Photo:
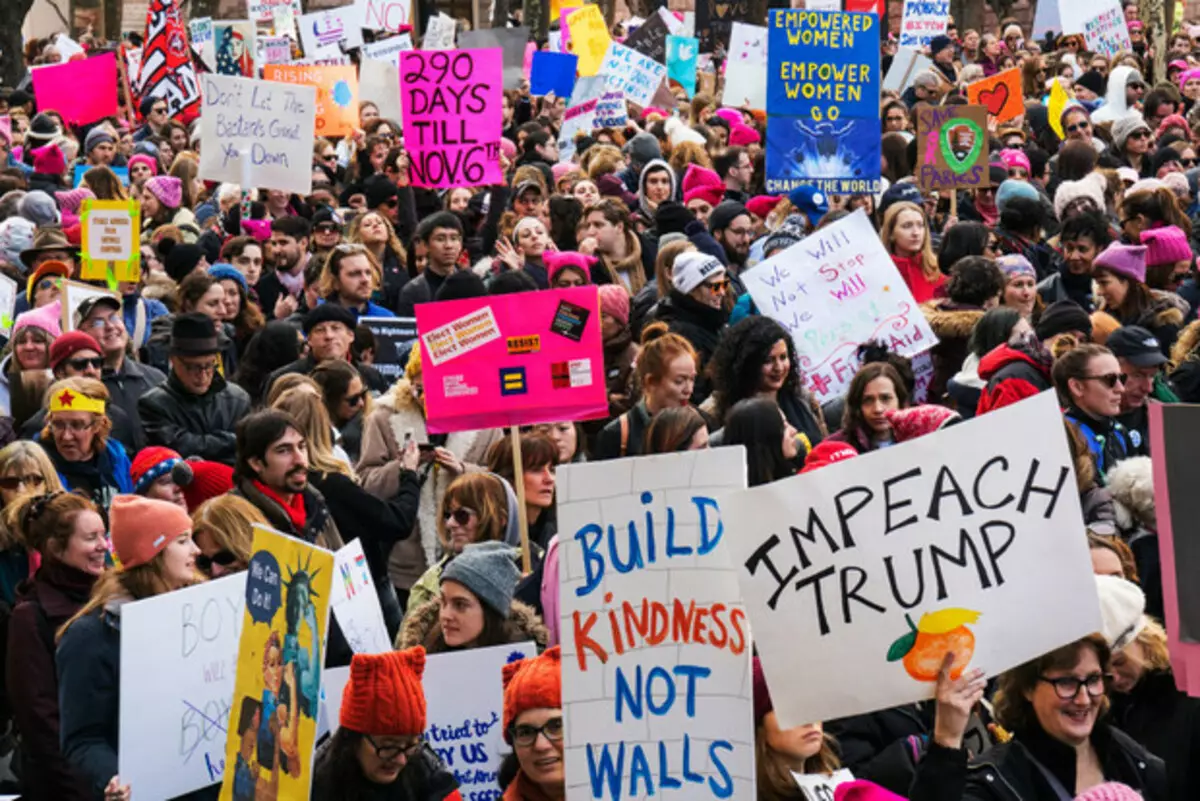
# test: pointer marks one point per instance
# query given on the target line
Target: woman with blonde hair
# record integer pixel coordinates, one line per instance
(905, 234)
(152, 540)
(76, 438)
(24, 470)
(780, 752)
(375, 232)
(223, 528)
(686, 153)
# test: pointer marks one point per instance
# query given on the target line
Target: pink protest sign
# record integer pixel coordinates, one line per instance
(81, 91)
(452, 104)
(508, 360)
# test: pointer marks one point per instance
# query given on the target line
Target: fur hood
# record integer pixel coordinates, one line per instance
(950, 320)
(421, 626)
(1183, 350)
(1131, 483)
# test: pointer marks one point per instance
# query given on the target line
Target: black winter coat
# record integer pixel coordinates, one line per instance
(881, 747)
(89, 696)
(609, 440)
(1167, 722)
(424, 778)
(700, 325)
(195, 425)
(304, 366)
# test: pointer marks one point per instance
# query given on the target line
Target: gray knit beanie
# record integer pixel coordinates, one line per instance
(39, 208)
(489, 571)
(1124, 126)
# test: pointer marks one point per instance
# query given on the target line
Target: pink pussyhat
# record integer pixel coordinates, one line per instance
(1110, 791)
(861, 790)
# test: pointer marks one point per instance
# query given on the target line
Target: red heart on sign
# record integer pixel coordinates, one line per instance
(995, 99)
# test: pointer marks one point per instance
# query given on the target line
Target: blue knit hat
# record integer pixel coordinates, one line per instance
(222, 271)
(1012, 189)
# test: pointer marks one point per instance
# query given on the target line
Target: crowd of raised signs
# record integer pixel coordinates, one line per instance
(245, 378)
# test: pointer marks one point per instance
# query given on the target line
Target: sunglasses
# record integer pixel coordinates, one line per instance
(327, 228)
(16, 482)
(49, 283)
(356, 398)
(84, 363)
(391, 204)
(461, 515)
(222, 558)
(720, 285)
(1109, 380)
(1189, 162)
(1079, 126)
(1140, 135)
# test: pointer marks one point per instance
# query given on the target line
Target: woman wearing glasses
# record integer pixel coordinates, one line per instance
(1119, 275)
(223, 528)
(24, 469)
(76, 438)
(1090, 383)
(379, 751)
(695, 309)
(347, 400)
(533, 726)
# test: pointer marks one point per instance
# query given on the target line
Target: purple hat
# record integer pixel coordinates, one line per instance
(1015, 265)
(168, 189)
(1127, 261)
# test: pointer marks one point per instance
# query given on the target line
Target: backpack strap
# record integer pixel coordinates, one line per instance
(624, 419)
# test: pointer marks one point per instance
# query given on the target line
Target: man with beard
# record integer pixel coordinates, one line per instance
(280, 290)
(731, 226)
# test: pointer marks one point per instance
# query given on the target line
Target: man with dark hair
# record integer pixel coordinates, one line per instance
(541, 151)
(195, 411)
(736, 169)
(279, 289)
(271, 473)
(731, 226)
(1082, 238)
(329, 329)
(442, 234)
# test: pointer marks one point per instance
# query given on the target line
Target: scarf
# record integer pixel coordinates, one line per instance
(295, 510)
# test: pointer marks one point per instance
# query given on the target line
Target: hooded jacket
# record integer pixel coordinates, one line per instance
(1013, 373)
(424, 778)
(1114, 107)
(644, 206)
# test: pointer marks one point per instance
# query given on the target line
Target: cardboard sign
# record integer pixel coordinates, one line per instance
(337, 95)
(1102, 24)
(907, 64)
(110, 240)
(922, 20)
(274, 50)
(381, 80)
(611, 111)
(589, 38)
(283, 23)
(959, 541)
(355, 603)
(952, 147)
(203, 42)
(388, 50)
(235, 47)
(744, 84)
(682, 52)
(390, 334)
(264, 10)
(385, 15)
(655, 646)
(533, 357)
(8, 304)
(714, 20)
(511, 41)
(553, 72)
(439, 33)
(636, 76)
(833, 291)
(81, 91)
(650, 38)
(577, 120)
(281, 652)
(464, 707)
(1001, 94)
(73, 296)
(257, 133)
(172, 733)
(818, 786)
(333, 28)
(453, 113)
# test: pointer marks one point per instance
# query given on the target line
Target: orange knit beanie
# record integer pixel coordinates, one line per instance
(384, 695)
(141, 527)
(532, 684)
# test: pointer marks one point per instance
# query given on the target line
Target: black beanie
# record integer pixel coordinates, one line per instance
(461, 284)
(671, 218)
(1062, 316)
(724, 214)
(1092, 80)
(181, 260)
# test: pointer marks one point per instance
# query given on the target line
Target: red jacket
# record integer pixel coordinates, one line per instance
(912, 271)
(1012, 373)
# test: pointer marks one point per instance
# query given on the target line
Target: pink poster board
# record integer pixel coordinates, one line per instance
(532, 357)
(81, 91)
(452, 103)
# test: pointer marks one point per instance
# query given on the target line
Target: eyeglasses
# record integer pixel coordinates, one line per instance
(100, 322)
(461, 515)
(74, 426)
(222, 558)
(1109, 380)
(391, 204)
(158, 110)
(16, 482)
(390, 752)
(326, 228)
(199, 369)
(85, 362)
(1067, 687)
(525, 735)
(356, 398)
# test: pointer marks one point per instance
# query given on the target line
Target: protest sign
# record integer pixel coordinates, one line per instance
(68, 47)
(281, 652)
(452, 101)
(744, 84)
(257, 133)
(511, 41)
(826, 5)
(591, 88)
(274, 50)
(122, 174)
(1046, 19)
(203, 43)
(638, 77)
(681, 61)
(512, 360)
(355, 602)
(81, 91)
(832, 291)
(610, 111)
(6, 128)
(391, 334)
(553, 72)
(172, 730)
(1174, 437)
(577, 120)
(110, 240)
(8, 303)
(283, 23)
(385, 15)
(464, 707)
(714, 20)
(264, 10)
(1001, 94)
(1102, 24)
(439, 33)
(922, 20)
(388, 50)
(958, 541)
(381, 80)
(589, 38)
(655, 642)
(952, 147)
(907, 64)
(235, 47)
(841, 157)
(819, 786)
(337, 95)
(73, 296)
(650, 39)
(334, 27)
(564, 26)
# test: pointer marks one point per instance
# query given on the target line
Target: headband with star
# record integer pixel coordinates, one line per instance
(71, 401)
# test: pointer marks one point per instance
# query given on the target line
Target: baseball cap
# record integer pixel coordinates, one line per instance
(1136, 345)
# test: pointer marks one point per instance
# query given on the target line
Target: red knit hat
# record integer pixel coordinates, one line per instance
(209, 479)
(384, 696)
(532, 683)
(918, 421)
(69, 344)
(150, 463)
(762, 205)
(141, 527)
(826, 453)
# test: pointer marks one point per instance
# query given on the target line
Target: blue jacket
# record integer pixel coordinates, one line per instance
(154, 309)
(116, 480)
(371, 310)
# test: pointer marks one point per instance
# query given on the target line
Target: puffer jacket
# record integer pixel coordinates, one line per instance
(421, 626)
(1013, 373)
(1164, 318)
(195, 425)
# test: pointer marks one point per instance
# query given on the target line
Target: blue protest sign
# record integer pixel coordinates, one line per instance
(681, 61)
(838, 157)
(553, 72)
(823, 65)
(122, 173)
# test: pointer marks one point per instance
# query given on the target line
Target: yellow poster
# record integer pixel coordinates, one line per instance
(589, 38)
(110, 237)
(273, 721)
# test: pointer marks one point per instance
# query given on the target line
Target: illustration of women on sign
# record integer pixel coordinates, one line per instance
(233, 56)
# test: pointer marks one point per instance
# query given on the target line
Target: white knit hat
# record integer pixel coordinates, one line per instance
(692, 269)
(1124, 126)
(1090, 186)
(1122, 610)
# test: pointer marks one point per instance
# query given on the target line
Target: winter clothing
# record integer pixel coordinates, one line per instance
(70, 343)
(167, 189)
(952, 323)
(823, 454)
(1127, 261)
(912, 270)
(1167, 722)
(918, 421)
(1062, 317)
(150, 464)
(884, 746)
(45, 317)
(100, 478)
(318, 528)
(614, 301)
(531, 683)
(1166, 245)
(623, 436)
(1091, 186)
(128, 383)
(421, 626)
(700, 325)
(424, 778)
(1106, 438)
(1064, 285)
(693, 269)
(1013, 373)
(384, 694)
(195, 425)
(143, 527)
(488, 571)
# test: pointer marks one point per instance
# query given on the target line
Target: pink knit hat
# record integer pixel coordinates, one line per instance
(701, 182)
(1174, 121)
(168, 189)
(1015, 158)
(144, 158)
(44, 317)
(1110, 791)
(917, 421)
(562, 168)
(508, 148)
(49, 160)
(861, 790)
(72, 199)
(1128, 261)
(743, 135)
(143, 527)
(614, 301)
(557, 261)
(1166, 245)
(730, 115)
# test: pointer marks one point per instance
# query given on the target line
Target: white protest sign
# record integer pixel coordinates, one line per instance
(823, 5)
(384, 15)
(334, 26)
(1102, 24)
(906, 66)
(333, 687)
(388, 50)
(833, 291)
(73, 296)
(67, 47)
(744, 84)
(611, 111)
(355, 603)
(674, 24)
(257, 133)
(922, 20)
(274, 49)
(576, 120)
(201, 30)
(655, 646)
(380, 82)
(593, 87)
(264, 10)
(464, 706)
(439, 33)
(178, 664)
(629, 71)
(860, 577)
(8, 302)
(820, 787)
